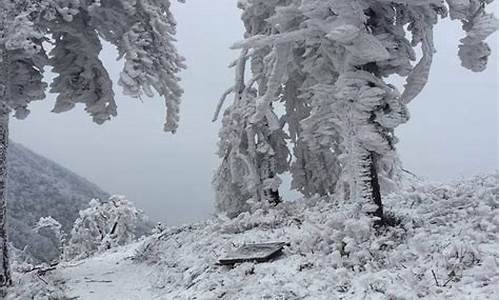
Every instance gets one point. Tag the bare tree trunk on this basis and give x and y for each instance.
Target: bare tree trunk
(375, 187)
(273, 196)
(5, 276)
(268, 172)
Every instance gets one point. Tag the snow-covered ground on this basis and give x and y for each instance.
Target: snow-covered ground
(445, 247)
(110, 276)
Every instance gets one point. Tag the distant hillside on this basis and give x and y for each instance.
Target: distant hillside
(38, 187)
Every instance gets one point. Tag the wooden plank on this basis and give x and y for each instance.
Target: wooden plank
(260, 252)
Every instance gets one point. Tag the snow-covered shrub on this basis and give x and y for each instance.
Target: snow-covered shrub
(105, 225)
(43, 243)
(148, 250)
(36, 283)
(47, 241)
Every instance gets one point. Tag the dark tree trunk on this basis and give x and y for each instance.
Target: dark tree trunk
(5, 276)
(267, 171)
(273, 196)
(375, 187)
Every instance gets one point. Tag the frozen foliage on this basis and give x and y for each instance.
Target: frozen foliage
(105, 225)
(22, 57)
(331, 64)
(50, 232)
(32, 282)
(142, 30)
(444, 246)
(81, 75)
(248, 175)
(478, 25)
(39, 188)
(252, 141)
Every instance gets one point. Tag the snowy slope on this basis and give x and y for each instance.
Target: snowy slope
(445, 247)
(110, 276)
(38, 187)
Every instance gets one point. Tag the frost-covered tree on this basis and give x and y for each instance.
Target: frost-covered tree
(141, 30)
(252, 141)
(332, 63)
(49, 245)
(105, 225)
(252, 155)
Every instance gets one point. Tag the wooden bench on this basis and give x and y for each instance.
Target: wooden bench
(260, 252)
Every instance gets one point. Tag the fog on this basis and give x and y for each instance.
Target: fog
(453, 131)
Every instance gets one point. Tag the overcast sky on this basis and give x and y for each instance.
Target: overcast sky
(453, 131)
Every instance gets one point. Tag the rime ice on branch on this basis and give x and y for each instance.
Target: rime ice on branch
(142, 31)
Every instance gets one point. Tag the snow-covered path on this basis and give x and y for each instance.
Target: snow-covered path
(112, 276)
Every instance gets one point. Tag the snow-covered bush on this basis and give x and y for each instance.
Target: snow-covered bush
(35, 282)
(105, 225)
(46, 242)
(148, 251)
